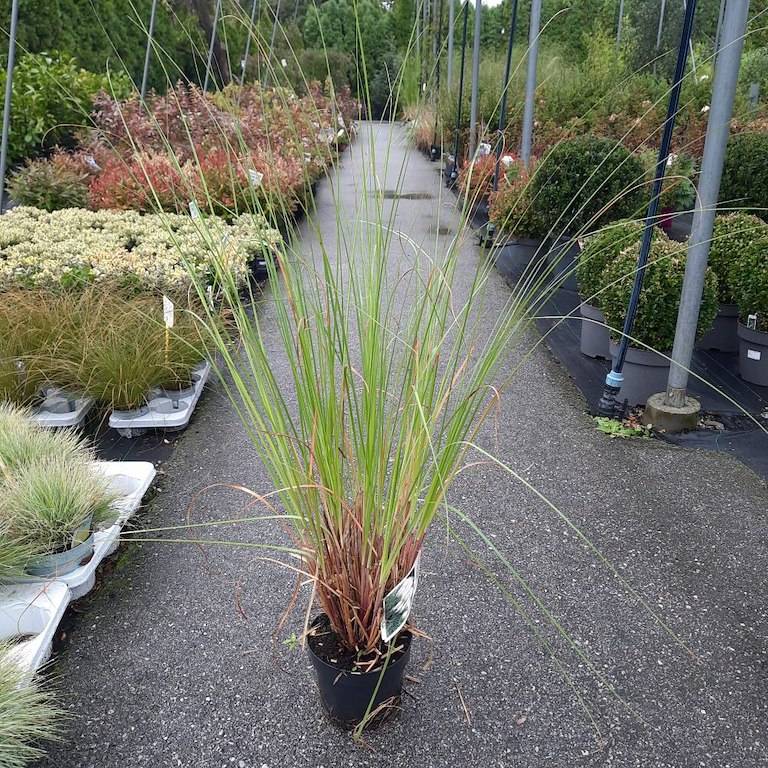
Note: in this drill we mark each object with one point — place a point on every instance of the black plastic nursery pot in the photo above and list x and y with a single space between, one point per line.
518 258
346 694
753 355
595 337
562 253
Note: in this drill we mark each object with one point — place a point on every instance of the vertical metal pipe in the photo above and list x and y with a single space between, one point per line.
530 83
618 27
209 63
658 33
614 379
7 105
455 169
718 32
451 21
475 79
274 29
721 109
244 62
148 54
504 92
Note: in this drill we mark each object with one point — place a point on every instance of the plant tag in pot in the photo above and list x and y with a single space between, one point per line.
168 312
752 321
397 604
194 212
255 177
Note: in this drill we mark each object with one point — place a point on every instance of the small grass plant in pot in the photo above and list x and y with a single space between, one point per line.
733 234
29 714
50 497
749 283
646 367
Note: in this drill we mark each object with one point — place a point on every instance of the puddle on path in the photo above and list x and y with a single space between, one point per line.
388 194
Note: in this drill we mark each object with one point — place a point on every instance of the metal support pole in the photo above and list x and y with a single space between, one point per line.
658 33
7 105
718 32
424 41
608 405
434 152
618 27
530 83
148 54
451 21
504 93
723 92
244 62
209 63
475 80
455 170
274 29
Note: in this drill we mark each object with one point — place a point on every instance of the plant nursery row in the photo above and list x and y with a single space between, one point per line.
61 514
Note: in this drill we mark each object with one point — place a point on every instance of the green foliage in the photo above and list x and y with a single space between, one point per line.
403 17
600 249
585 182
317 65
28 714
615 428
749 283
677 190
744 182
109 34
60 181
660 296
51 100
732 236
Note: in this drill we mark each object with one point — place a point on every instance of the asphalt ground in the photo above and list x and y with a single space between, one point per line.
661 660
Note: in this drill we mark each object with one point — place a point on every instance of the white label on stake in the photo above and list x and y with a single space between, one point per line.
753 354
255 177
209 293
168 312
397 604
194 211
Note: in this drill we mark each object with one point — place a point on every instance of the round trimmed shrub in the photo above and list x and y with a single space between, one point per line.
600 249
732 236
745 173
660 296
586 182
749 283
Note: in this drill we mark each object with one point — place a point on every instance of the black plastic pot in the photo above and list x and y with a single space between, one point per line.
723 335
753 355
518 258
561 261
346 695
645 373
595 337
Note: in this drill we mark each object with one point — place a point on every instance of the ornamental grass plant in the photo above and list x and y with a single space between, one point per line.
29 715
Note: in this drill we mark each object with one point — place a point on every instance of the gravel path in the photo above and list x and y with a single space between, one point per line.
172 662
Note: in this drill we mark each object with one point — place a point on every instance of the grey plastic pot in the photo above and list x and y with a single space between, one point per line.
595 339
753 355
723 336
61 563
645 374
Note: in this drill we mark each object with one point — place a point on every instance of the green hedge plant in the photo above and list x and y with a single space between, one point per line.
744 182
732 236
660 296
749 283
586 182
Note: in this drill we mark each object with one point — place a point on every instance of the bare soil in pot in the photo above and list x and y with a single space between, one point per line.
348 683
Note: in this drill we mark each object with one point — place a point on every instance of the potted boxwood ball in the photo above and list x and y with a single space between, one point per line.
749 282
600 249
732 236
580 185
646 368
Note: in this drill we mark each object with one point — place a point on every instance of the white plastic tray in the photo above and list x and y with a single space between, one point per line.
60 409
32 611
163 411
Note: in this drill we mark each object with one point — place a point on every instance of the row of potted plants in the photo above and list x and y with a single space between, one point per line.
733 309
248 148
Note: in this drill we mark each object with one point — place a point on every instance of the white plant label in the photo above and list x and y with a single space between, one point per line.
194 211
397 604
255 177
754 354
209 293
752 321
91 163
168 312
